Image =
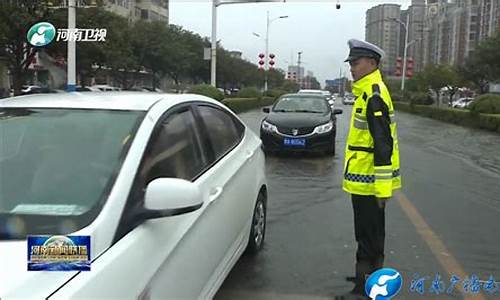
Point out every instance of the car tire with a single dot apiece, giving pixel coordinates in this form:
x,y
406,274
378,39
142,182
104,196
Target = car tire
x,y
258,226
332,151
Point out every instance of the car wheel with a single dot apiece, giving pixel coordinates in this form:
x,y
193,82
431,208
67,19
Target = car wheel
x,y
258,227
332,151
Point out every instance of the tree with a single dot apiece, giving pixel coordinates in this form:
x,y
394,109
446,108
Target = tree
x,y
454,81
290,86
275,78
114,54
476,73
154,46
16,18
435,78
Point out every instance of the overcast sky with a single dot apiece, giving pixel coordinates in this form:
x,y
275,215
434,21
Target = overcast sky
x,y
316,28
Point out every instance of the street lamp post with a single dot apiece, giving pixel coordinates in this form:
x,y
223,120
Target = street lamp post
x,y
215,4
403,76
405,51
267,46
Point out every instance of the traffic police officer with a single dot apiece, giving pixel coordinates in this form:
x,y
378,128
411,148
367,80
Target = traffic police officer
x,y
371,170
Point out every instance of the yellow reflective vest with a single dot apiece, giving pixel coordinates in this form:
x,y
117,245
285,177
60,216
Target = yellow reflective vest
x,y
372,154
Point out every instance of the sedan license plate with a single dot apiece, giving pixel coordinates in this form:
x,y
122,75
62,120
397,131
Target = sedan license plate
x,y
294,142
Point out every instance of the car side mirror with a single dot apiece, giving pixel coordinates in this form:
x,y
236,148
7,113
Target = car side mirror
x,y
337,111
266,110
167,197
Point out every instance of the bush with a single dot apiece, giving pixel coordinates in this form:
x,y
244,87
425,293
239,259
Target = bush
x,y
460,117
243,104
275,93
249,92
490,122
398,96
419,98
207,90
486,104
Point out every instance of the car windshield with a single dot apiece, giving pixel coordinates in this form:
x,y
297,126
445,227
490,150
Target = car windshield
x,y
301,104
55,169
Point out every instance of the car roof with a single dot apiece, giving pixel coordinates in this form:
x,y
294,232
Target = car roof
x,y
141,101
310,91
301,95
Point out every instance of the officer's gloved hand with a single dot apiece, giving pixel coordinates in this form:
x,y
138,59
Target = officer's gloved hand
x,y
381,201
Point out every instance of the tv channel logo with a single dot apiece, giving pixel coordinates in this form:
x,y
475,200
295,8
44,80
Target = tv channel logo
x,y
58,253
383,284
41,34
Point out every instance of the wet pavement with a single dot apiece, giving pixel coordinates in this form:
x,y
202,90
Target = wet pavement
x,y
445,219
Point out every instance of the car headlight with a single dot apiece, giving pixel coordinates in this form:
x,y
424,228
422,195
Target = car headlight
x,y
324,128
266,126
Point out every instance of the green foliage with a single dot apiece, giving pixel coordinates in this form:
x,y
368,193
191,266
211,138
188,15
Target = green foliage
x,y
419,98
249,92
486,104
275,93
243,104
489,122
207,90
290,86
483,65
130,49
16,17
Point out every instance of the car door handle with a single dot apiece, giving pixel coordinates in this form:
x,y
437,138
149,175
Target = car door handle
x,y
214,194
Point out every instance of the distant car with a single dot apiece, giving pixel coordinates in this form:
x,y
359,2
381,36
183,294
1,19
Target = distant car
x,y
348,100
38,90
26,89
326,94
462,102
150,89
82,89
171,190
104,88
300,122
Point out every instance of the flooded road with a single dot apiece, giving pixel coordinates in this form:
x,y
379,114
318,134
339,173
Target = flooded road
x,y
444,221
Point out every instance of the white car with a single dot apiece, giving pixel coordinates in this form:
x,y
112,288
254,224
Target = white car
x,y
462,103
28,88
326,94
171,190
104,88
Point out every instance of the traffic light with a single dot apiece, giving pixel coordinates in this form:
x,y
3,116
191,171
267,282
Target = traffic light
x,y
261,61
399,64
409,67
271,61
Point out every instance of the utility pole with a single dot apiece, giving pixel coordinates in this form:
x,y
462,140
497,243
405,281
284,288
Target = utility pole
x,y
299,77
340,80
71,81
407,25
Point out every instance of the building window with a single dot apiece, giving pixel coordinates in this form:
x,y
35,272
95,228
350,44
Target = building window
x,y
144,14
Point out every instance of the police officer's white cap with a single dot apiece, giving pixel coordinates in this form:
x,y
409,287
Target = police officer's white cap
x,y
360,49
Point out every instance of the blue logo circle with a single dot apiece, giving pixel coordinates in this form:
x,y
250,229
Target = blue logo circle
x,y
383,284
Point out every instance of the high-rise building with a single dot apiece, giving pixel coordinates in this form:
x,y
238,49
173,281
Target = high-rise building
x,y
295,73
489,12
416,13
150,10
383,31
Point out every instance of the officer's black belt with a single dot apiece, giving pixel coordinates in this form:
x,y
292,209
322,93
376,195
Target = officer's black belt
x,y
364,149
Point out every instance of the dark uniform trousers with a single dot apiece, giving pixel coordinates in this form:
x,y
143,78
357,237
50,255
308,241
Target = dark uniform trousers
x,y
369,230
